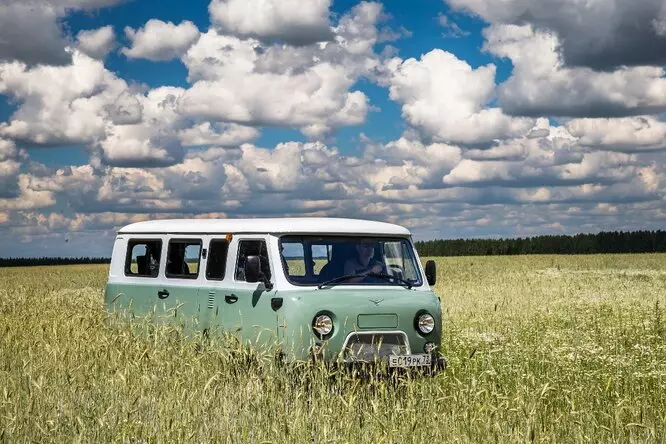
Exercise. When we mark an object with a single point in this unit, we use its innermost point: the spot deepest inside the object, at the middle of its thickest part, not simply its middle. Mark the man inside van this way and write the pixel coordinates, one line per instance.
(364, 262)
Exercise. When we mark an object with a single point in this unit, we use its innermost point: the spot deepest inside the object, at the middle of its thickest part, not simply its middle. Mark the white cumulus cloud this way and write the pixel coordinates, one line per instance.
(152, 141)
(160, 41)
(83, 103)
(250, 82)
(298, 22)
(447, 99)
(628, 134)
(600, 34)
(231, 86)
(97, 43)
(60, 104)
(541, 85)
(31, 31)
(225, 134)
(10, 164)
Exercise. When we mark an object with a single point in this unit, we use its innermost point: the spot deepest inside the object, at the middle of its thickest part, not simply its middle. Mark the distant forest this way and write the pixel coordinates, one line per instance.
(26, 262)
(604, 242)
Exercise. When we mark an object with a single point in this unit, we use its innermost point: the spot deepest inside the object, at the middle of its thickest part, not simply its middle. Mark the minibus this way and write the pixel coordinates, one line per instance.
(332, 289)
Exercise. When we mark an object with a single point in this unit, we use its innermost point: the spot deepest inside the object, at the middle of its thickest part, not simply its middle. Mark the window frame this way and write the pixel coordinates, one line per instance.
(133, 242)
(226, 258)
(188, 241)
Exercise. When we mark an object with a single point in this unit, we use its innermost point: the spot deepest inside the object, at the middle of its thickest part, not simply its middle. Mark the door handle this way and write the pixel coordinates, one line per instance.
(230, 298)
(163, 294)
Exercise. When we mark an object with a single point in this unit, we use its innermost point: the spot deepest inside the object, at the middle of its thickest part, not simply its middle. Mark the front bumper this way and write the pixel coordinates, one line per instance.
(437, 364)
(372, 349)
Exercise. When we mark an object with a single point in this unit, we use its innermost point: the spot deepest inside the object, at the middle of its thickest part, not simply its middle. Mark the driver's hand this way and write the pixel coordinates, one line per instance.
(376, 269)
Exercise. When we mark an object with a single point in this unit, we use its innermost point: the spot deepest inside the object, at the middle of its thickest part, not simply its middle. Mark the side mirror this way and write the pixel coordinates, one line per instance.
(253, 271)
(431, 272)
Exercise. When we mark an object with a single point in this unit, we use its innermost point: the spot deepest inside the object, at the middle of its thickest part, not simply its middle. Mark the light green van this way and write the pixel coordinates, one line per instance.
(340, 290)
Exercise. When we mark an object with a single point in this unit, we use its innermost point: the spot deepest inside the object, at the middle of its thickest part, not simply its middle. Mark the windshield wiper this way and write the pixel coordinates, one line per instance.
(340, 279)
(388, 277)
(396, 279)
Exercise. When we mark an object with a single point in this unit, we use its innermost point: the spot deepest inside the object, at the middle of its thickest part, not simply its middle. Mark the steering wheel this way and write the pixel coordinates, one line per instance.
(397, 270)
(375, 279)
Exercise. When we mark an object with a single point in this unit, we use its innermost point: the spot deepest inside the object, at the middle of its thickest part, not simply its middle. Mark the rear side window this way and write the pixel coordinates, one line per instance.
(143, 258)
(183, 258)
(217, 259)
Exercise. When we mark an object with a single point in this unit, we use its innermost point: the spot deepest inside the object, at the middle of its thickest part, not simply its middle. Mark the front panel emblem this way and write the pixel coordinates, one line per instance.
(376, 301)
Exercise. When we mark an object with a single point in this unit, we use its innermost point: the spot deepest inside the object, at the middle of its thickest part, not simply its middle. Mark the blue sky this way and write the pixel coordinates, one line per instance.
(456, 118)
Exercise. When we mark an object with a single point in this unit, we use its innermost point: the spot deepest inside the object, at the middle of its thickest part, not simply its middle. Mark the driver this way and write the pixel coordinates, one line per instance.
(364, 262)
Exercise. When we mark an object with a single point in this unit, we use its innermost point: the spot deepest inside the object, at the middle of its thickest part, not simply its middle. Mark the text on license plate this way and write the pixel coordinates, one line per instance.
(409, 360)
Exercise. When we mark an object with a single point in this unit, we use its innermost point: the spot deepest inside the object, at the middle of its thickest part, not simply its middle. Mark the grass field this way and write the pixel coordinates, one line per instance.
(540, 348)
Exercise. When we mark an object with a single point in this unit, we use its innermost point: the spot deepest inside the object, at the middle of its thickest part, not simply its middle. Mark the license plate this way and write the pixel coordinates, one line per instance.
(409, 360)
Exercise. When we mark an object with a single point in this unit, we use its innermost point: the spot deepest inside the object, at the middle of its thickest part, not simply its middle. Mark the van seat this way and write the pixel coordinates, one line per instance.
(142, 265)
(340, 252)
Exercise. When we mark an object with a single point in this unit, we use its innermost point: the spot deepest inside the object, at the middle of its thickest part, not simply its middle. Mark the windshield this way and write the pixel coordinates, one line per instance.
(312, 260)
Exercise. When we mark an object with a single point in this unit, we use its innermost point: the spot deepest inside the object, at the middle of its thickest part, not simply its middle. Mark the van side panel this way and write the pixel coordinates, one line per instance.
(184, 305)
(118, 258)
(160, 299)
(116, 269)
(138, 298)
(130, 293)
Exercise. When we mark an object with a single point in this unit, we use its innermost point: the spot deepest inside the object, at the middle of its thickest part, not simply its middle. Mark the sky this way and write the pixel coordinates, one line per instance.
(454, 118)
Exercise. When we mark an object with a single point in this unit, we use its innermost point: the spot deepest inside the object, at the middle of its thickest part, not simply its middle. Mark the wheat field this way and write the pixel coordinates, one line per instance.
(549, 349)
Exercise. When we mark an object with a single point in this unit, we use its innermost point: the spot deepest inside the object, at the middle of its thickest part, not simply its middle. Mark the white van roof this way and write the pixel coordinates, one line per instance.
(283, 225)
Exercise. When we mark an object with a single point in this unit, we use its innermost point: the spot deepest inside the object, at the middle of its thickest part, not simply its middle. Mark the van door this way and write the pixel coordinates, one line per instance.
(178, 299)
(136, 288)
(212, 289)
(248, 311)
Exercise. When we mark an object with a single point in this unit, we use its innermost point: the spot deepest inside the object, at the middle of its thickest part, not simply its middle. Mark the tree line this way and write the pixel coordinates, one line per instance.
(32, 261)
(603, 242)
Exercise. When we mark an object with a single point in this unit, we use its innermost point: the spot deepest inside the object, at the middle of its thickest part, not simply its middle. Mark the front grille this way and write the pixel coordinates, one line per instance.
(367, 346)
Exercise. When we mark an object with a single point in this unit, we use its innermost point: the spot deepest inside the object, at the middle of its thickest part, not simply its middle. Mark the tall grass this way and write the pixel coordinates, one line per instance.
(540, 349)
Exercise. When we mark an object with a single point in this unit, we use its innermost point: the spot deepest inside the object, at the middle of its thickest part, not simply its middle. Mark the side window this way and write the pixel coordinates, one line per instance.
(294, 256)
(183, 258)
(143, 258)
(252, 248)
(217, 259)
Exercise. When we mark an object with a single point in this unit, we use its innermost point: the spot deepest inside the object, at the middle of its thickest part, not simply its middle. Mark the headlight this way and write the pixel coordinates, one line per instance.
(322, 325)
(425, 323)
